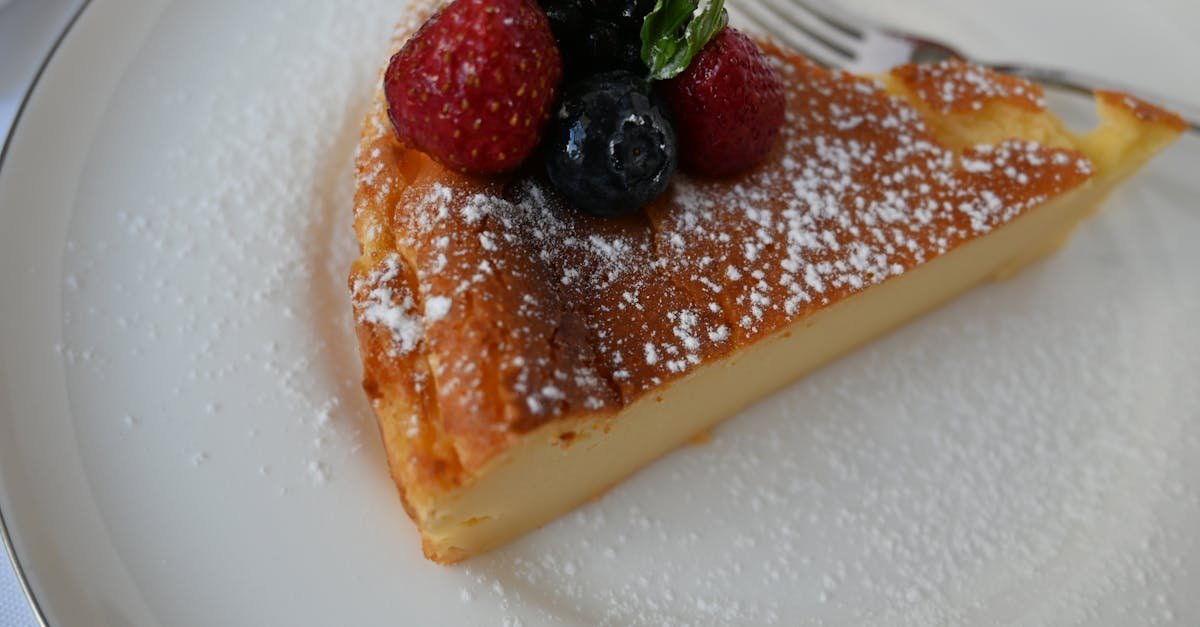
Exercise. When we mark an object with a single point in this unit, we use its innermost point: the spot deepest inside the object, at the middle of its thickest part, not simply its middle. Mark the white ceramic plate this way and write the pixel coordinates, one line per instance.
(183, 440)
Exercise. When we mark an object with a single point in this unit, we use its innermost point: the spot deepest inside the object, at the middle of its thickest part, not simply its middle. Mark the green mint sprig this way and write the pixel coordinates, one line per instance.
(676, 30)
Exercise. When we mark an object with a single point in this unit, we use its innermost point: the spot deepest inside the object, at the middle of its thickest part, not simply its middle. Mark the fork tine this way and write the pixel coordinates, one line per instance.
(770, 22)
(816, 25)
(741, 20)
(835, 19)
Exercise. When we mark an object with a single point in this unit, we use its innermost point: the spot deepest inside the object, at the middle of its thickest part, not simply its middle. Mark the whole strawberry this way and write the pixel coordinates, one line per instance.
(729, 105)
(473, 88)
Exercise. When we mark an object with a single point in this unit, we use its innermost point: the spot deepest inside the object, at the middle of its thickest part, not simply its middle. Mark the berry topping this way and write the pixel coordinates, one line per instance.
(568, 18)
(475, 86)
(615, 41)
(676, 30)
(729, 106)
(611, 148)
(599, 35)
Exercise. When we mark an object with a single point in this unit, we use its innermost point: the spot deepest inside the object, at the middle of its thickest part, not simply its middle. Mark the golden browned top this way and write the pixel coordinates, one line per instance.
(1142, 110)
(955, 86)
(490, 307)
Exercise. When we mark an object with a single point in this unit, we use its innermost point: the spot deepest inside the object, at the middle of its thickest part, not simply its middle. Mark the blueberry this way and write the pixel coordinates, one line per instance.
(628, 12)
(568, 18)
(609, 46)
(571, 20)
(598, 35)
(611, 147)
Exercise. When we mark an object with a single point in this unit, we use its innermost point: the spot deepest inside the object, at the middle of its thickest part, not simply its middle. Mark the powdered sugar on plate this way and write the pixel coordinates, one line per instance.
(1030, 438)
(1027, 483)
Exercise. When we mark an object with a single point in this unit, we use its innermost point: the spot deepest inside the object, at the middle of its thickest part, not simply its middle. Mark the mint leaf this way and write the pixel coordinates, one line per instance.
(676, 30)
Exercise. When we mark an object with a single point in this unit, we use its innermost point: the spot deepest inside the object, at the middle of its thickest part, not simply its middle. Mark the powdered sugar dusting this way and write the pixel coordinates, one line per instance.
(849, 499)
(609, 309)
(1028, 440)
(436, 308)
(380, 300)
(953, 85)
(215, 282)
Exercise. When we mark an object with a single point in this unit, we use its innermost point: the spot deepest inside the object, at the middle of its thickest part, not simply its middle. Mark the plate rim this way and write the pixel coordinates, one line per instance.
(26, 578)
(10, 549)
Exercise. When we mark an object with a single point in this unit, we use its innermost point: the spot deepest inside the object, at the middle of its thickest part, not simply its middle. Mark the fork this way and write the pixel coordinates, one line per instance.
(837, 41)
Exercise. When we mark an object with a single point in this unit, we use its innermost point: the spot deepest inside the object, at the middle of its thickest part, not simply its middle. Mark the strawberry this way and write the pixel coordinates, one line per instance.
(728, 105)
(473, 88)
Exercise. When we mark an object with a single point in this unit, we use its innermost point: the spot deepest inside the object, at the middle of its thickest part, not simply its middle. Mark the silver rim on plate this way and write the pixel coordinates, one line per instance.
(5, 536)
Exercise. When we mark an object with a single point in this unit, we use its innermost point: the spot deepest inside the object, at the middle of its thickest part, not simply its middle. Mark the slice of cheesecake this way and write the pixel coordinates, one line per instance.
(522, 357)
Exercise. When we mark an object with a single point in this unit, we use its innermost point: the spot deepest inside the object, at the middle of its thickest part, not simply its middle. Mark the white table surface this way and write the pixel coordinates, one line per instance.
(28, 29)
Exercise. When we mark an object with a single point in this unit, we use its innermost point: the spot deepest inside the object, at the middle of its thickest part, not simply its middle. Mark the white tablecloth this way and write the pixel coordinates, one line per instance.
(14, 610)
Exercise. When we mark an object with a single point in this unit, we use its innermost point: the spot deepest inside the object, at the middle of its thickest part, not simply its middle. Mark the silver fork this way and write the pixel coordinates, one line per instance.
(835, 40)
